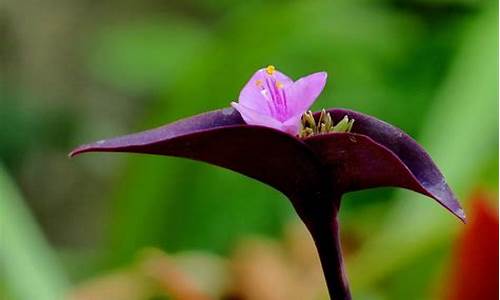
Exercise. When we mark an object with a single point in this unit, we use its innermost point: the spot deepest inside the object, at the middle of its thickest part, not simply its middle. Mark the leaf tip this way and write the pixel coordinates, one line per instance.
(75, 152)
(461, 215)
(81, 149)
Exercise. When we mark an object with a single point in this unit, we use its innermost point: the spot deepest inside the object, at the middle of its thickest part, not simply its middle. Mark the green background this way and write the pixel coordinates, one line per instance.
(78, 71)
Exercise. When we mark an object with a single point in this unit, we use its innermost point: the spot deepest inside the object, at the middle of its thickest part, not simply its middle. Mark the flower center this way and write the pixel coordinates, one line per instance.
(275, 95)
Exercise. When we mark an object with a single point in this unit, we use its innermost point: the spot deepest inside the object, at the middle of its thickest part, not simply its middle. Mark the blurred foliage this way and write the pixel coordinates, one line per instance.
(77, 71)
(27, 260)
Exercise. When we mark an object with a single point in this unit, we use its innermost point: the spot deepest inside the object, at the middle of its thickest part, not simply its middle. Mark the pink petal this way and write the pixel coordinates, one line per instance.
(280, 77)
(254, 117)
(303, 92)
(251, 96)
(292, 125)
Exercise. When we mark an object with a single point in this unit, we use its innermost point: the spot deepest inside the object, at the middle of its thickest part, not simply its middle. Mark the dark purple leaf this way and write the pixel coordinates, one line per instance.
(379, 154)
(374, 154)
(221, 138)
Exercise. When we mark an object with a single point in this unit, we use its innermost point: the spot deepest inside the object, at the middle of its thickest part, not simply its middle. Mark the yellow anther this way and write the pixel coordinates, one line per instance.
(270, 69)
(279, 85)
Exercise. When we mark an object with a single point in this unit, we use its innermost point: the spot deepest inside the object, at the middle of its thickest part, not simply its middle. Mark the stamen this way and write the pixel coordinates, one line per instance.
(276, 98)
(285, 102)
(274, 92)
(270, 69)
(271, 90)
(269, 101)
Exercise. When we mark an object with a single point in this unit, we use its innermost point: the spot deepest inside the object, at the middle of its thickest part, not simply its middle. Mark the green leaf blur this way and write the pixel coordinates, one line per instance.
(78, 71)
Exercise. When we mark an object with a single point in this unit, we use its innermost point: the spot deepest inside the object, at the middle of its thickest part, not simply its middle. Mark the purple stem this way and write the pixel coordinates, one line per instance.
(324, 228)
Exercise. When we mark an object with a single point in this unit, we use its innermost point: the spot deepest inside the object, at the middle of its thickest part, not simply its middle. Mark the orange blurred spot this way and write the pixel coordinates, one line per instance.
(475, 262)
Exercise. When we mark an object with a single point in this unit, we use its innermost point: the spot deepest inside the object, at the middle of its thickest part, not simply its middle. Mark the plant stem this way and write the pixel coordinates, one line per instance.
(324, 228)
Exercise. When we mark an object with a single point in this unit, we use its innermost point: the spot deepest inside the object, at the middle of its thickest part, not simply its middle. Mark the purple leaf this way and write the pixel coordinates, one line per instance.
(375, 154)
(221, 138)
(379, 154)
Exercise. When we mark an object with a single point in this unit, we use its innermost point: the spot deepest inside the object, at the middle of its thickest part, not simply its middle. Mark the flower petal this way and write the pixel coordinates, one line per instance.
(292, 125)
(221, 138)
(378, 154)
(251, 94)
(303, 92)
(254, 117)
(282, 78)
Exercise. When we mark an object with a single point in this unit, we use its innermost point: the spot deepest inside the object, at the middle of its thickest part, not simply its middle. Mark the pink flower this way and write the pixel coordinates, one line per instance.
(273, 100)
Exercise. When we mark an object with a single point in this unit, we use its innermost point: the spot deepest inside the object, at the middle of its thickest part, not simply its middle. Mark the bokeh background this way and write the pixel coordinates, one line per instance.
(121, 226)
